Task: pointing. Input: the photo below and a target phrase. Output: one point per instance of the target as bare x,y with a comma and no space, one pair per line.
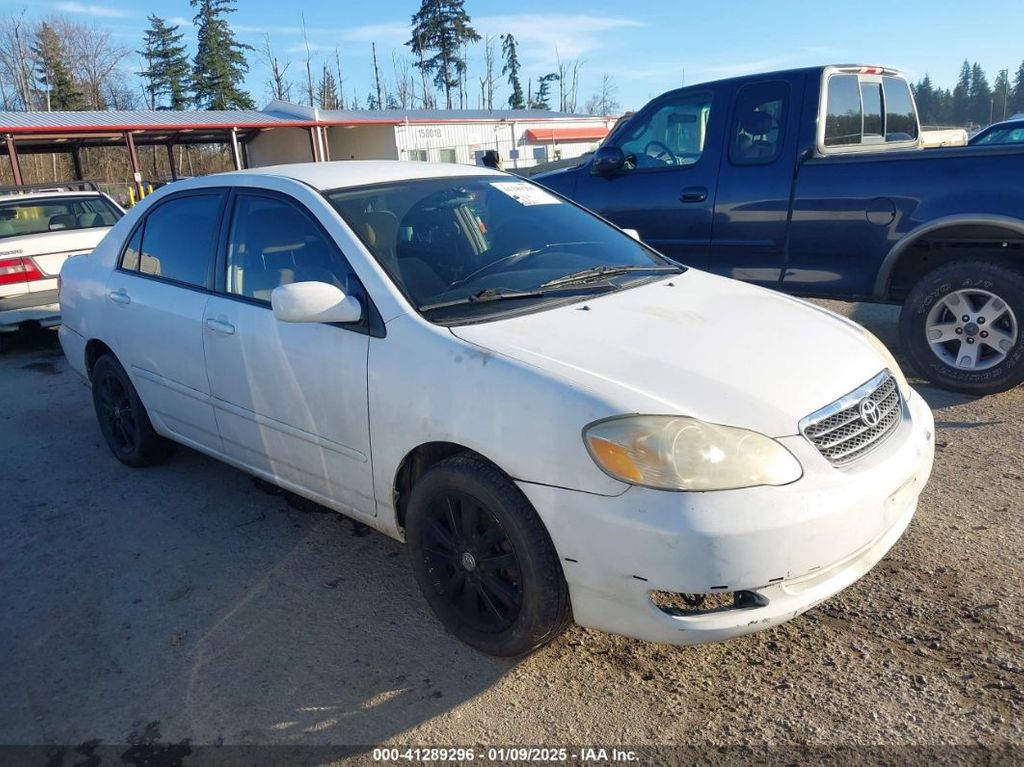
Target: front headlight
671,452
890,362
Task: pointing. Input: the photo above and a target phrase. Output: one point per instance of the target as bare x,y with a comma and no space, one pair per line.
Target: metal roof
277,115
30,122
397,116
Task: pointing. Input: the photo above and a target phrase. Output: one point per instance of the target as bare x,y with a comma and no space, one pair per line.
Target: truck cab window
672,134
871,97
900,116
843,115
758,125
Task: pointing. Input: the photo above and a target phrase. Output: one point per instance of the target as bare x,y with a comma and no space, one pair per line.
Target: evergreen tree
981,104
509,49
1001,95
541,99
1017,94
442,27
220,64
167,68
327,91
924,97
962,96
52,73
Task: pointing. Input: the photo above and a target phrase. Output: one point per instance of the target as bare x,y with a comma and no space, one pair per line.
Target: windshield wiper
491,294
497,294
596,272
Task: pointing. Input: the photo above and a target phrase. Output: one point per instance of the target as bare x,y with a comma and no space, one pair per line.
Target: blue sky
648,47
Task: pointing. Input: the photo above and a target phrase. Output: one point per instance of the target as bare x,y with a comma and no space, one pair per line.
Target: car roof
28,196
349,173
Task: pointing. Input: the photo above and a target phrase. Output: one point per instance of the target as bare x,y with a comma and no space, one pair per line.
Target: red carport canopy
554,135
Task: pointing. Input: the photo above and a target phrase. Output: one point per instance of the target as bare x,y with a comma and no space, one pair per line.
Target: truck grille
854,425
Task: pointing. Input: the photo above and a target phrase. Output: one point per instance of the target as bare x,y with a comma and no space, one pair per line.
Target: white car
558,421
39,229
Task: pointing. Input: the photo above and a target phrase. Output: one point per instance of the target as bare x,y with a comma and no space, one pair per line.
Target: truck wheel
484,560
123,418
961,327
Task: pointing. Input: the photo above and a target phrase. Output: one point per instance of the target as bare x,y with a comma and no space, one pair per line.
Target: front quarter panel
426,385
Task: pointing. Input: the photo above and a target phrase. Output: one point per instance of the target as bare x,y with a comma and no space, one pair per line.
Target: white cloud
103,11
539,36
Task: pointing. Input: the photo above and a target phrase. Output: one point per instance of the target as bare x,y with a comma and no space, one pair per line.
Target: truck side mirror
608,160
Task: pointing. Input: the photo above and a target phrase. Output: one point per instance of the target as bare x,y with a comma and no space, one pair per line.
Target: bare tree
16,60
568,83
95,60
376,77
487,81
341,79
309,67
605,101
405,85
278,86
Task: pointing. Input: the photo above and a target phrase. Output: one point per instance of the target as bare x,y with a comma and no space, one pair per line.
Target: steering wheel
662,153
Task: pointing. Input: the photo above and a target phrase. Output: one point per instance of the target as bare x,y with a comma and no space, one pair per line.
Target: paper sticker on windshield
525,194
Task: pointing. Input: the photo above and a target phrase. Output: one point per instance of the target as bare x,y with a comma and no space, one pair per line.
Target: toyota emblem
869,412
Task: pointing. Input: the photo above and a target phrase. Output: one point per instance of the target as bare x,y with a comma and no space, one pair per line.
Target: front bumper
792,546
39,308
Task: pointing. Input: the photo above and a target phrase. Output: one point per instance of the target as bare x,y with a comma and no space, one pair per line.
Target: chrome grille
843,433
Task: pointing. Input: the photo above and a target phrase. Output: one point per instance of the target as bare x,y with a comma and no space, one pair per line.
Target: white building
522,138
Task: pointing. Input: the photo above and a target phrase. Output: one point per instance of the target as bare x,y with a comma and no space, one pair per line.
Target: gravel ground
183,602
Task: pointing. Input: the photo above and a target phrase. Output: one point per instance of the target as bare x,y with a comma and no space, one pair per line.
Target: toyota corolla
561,423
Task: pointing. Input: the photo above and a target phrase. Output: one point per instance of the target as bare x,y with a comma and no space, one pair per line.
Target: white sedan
559,422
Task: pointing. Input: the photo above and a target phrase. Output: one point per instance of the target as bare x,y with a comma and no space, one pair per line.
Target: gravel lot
183,602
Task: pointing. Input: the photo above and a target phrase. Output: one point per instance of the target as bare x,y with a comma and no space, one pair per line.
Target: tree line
972,101
59,64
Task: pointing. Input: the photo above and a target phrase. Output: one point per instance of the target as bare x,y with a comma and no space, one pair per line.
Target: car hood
695,344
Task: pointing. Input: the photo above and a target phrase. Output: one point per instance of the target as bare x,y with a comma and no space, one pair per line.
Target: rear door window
179,238
759,123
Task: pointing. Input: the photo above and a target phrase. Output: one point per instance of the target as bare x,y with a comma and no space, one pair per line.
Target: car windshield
38,215
468,247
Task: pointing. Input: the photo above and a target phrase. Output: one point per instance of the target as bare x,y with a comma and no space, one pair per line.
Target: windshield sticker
524,193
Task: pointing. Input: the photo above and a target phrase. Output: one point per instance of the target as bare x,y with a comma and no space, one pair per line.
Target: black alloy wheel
483,559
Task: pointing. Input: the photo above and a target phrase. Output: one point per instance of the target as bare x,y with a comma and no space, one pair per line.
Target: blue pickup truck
811,181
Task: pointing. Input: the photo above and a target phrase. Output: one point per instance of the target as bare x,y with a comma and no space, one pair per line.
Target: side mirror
608,160
314,302
632,233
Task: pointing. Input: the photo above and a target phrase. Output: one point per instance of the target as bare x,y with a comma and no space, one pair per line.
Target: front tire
484,560
122,416
961,326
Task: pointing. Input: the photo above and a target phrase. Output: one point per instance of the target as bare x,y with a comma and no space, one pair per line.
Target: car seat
62,221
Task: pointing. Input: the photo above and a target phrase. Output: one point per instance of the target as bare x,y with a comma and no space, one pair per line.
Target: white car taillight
14,270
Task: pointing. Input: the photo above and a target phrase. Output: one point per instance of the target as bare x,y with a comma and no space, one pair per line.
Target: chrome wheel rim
971,329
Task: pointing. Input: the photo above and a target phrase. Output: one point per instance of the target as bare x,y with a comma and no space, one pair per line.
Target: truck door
665,189
755,182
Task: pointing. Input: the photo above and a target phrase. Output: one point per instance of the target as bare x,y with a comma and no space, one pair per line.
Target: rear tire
122,417
961,326
484,560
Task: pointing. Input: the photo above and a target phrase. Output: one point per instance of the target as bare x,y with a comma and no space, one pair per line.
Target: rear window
40,215
868,110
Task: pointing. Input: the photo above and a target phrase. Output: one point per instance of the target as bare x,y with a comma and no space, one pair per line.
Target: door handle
220,326
693,194
119,296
